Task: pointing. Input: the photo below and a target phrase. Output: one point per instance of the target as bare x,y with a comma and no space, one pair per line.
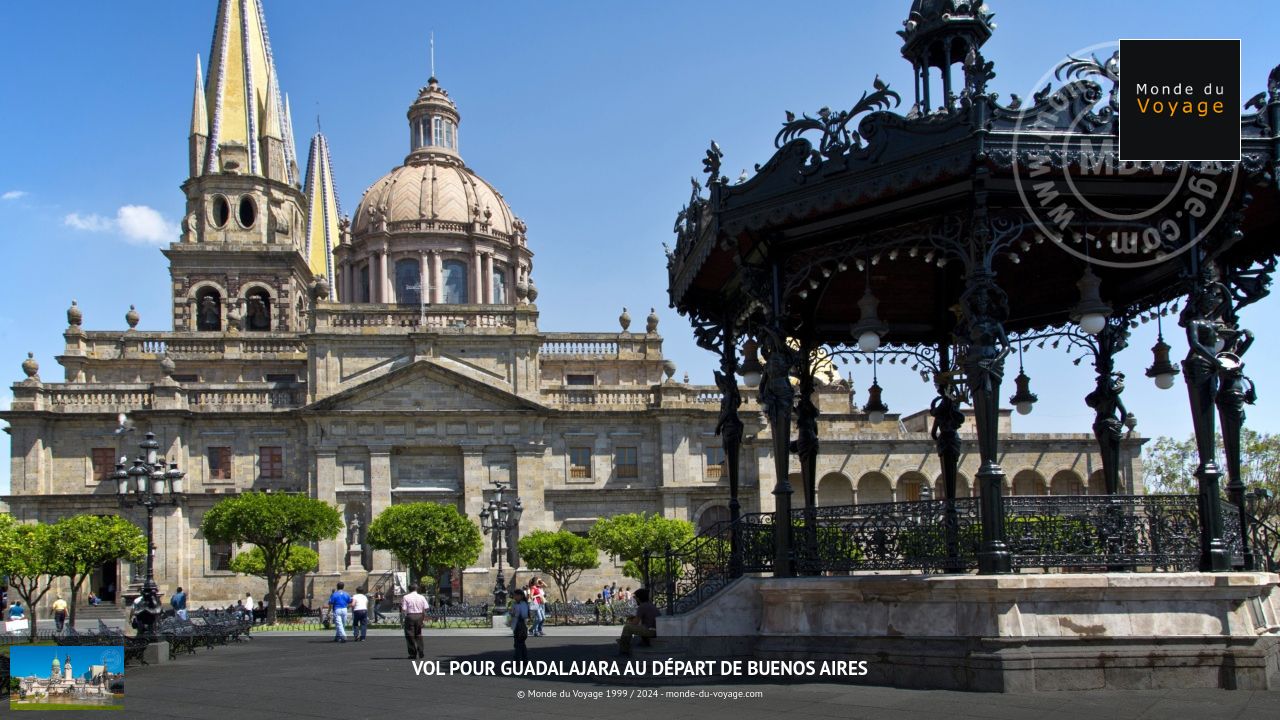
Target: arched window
835,489
208,310
499,285
437,130
909,486
450,139
408,282
454,279
1029,482
1066,482
257,316
711,517
362,282
874,488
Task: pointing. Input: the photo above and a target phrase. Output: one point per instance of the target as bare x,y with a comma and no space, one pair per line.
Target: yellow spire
242,96
323,211
290,147
199,118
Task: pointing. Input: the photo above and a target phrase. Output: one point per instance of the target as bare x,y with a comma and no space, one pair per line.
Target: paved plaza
307,676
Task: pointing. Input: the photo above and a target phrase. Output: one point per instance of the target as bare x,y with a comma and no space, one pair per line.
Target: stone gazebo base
1006,633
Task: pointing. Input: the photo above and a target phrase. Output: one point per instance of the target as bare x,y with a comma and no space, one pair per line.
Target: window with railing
626,462
219,463
104,463
220,557
715,462
271,462
579,462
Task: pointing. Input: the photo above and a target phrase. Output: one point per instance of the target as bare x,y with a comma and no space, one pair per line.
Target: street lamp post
148,484
499,518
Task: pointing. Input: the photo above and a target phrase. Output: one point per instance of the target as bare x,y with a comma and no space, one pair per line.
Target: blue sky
38,659
588,117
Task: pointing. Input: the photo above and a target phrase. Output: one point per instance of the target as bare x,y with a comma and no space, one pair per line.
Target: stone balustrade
125,398
701,397
106,345
243,396
375,317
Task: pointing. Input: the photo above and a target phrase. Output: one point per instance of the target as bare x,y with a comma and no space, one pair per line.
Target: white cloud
13,195
137,224
91,223
145,225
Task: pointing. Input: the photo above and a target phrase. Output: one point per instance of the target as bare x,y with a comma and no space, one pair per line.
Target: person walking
378,599
178,601
537,605
413,608
339,601
246,607
360,615
518,616
59,613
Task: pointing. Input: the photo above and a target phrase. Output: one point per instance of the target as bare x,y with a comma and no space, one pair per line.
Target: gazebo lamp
1023,399
1161,370
1092,311
869,328
750,368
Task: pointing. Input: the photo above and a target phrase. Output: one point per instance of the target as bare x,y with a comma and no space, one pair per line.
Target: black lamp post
148,484
499,518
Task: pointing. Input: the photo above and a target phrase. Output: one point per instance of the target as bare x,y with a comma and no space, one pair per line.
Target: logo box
1180,100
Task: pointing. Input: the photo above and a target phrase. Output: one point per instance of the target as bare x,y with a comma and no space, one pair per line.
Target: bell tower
241,261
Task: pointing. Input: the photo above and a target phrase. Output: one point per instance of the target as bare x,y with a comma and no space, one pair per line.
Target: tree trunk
272,578
75,592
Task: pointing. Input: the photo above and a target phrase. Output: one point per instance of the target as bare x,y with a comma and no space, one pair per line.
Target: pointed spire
322,211
199,117
290,147
242,97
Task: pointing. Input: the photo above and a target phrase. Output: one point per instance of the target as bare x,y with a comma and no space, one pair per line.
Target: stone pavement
311,677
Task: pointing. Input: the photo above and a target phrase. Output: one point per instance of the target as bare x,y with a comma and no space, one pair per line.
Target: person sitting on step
644,623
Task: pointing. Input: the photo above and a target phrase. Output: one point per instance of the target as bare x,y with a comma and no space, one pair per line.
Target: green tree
276,523
28,556
631,536
426,537
299,560
562,555
84,542
1170,465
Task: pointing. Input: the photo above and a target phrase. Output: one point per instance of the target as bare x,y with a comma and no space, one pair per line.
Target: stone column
333,550
487,277
477,292
477,581
424,278
437,273
379,497
384,285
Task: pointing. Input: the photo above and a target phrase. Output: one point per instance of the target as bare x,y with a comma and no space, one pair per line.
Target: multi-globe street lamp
499,518
148,484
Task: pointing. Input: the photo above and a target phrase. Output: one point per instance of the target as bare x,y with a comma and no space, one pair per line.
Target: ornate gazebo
953,236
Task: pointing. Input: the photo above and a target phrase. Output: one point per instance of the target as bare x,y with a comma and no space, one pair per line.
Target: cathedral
394,356
93,685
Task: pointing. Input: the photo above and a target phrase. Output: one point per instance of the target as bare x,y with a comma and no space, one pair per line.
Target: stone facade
407,365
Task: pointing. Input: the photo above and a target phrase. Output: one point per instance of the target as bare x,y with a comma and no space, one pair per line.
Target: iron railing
1264,543
1075,533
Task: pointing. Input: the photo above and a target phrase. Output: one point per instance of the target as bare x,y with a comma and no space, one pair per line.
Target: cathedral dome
433,193
434,190
431,231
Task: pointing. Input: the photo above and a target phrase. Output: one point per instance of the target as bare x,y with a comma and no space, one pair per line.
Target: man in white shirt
246,607
413,608
359,615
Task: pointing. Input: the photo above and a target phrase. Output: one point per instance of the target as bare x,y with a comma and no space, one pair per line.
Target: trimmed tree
299,560
562,555
275,523
426,537
631,536
84,542
28,556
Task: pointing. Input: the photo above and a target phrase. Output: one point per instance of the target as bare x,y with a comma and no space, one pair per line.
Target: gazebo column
984,304
806,449
1109,412
729,428
777,396
947,420
1200,370
1234,391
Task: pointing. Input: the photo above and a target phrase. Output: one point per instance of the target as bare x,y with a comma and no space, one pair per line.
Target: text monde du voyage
1179,99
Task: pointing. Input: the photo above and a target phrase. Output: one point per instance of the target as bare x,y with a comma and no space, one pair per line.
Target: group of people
343,605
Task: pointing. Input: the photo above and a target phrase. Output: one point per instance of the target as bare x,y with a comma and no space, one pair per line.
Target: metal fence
1094,533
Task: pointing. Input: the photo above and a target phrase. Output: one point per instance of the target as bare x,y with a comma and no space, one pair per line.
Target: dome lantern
433,122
